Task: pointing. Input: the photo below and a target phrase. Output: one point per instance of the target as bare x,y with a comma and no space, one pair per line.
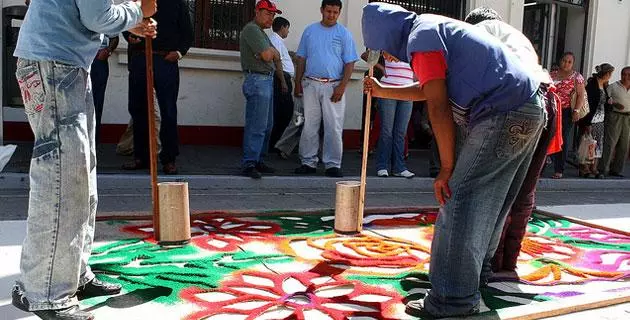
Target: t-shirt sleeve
578,78
428,66
349,49
302,47
255,38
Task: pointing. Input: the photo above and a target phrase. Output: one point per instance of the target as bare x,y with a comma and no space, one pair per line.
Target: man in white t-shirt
617,132
282,97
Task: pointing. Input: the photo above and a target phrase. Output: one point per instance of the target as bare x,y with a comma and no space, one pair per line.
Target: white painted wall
574,34
611,41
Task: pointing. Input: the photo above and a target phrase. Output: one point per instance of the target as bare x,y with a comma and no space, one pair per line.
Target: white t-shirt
287,63
518,43
621,95
398,74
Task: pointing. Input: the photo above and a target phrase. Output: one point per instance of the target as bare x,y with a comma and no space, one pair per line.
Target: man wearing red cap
259,60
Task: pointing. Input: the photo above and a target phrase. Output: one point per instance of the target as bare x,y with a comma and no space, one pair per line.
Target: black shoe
616,174
252,172
334,172
71,313
304,169
263,168
96,288
416,308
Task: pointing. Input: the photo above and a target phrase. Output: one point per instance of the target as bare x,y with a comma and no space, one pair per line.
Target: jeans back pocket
518,133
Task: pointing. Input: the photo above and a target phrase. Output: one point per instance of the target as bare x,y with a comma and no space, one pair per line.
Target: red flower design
218,234
258,295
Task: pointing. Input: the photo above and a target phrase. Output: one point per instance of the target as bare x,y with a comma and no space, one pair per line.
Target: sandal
557,175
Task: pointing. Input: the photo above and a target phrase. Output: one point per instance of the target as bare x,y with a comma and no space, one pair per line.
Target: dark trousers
560,158
516,223
282,109
99,72
166,83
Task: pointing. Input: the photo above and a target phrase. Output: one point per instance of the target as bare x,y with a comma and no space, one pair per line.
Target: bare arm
341,88
409,92
280,74
299,74
441,118
269,54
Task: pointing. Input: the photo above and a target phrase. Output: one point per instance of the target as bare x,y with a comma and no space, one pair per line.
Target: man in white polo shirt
282,96
617,132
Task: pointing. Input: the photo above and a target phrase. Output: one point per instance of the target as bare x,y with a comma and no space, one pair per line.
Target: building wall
611,37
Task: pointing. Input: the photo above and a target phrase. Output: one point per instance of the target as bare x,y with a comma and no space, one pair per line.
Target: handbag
582,110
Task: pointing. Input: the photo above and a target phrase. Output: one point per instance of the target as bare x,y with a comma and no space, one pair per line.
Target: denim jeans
99,73
317,109
258,92
166,91
62,201
495,154
560,158
395,115
515,227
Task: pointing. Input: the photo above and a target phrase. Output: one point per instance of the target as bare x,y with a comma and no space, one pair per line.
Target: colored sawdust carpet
291,265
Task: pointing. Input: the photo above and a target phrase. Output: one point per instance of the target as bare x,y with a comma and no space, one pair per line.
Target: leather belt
324,80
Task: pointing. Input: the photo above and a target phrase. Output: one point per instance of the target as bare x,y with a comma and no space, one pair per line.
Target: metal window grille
218,23
449,8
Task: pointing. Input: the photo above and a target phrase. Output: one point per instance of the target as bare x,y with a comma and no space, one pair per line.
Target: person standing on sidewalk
282,96
258,58
326,60
495,101
395,115
617,129
99,74
57,43
171,45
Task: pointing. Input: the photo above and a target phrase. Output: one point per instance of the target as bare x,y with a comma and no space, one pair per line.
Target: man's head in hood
386,27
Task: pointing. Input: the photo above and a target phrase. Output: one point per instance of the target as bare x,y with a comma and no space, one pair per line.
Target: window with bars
449,8
218,23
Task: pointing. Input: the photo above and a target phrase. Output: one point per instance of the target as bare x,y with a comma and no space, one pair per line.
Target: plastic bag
5,154
586,150
298,111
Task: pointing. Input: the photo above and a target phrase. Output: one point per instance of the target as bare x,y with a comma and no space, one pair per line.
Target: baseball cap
267,5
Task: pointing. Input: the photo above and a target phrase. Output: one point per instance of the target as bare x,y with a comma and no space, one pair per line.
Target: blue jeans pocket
517,133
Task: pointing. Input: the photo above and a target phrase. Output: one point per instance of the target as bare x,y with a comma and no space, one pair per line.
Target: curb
20,181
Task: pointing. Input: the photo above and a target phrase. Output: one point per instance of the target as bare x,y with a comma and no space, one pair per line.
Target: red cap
267,5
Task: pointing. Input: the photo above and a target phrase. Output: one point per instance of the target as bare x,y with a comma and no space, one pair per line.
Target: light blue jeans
495,154
395,115
258,92
62,202
319,109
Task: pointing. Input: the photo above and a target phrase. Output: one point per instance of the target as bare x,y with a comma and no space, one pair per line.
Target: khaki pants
616,142
125,145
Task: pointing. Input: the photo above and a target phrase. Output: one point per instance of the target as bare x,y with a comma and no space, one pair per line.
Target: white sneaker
405,174
382,173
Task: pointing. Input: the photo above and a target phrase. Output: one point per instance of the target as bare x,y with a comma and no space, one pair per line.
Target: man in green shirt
259,60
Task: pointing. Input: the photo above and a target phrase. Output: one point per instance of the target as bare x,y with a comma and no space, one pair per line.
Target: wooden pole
366,143
148,48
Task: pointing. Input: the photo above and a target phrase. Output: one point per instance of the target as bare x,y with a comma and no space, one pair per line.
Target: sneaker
304,169
416,308
70,313
252,173
382,173
334,172
96,288
405,174
263,168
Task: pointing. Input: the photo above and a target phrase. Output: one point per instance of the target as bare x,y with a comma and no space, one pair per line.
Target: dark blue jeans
258,92
166,83
560,158
99,72
395,115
